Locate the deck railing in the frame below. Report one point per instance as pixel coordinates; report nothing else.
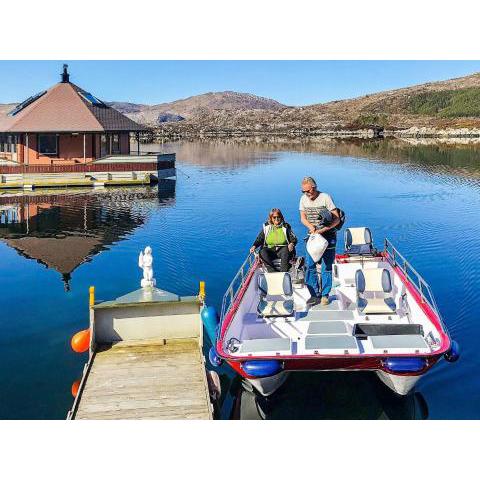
(127, 163)
(396, 259)
(236, 285)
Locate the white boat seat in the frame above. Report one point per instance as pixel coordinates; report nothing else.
(275, 295)
(266, 345)
(330, 342)
(321, 328)
(275, 308)
(374, 291)
(398, 341)
(358, 241)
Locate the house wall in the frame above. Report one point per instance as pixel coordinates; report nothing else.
(70, 149)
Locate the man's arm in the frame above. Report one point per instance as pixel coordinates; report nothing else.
(336, 221)
(303, 219)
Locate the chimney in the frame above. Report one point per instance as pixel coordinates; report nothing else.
(65, 74)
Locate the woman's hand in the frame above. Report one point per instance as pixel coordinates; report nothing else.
(311, 229)
(252, 248)
(291, 246)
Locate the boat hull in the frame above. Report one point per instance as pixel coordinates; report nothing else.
(268, 385)
(400, 383)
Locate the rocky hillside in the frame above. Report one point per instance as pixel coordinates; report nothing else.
(430, 107)
(446, 104)
(7, 107)
(198, 106)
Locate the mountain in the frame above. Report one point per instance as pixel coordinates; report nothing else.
(191, 107)
(7, 107)
(451, 103)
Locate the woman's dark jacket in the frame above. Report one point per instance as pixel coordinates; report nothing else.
(260, 241)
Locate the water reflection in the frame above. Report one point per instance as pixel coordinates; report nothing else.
(64, 229)
(327, 395)
(223, 153)
(458, 157)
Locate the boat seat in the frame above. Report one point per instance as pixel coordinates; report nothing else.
(265, 345)
(374, 291)
(330, 342)
(275, 295)
(358, 241)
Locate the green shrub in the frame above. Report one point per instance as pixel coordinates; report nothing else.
(447, 103)
(369, 119)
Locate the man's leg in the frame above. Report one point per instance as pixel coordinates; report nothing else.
(327, 262)
(284, 256)
(268, 255)
(311, 275)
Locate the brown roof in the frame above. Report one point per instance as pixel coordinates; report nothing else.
(63, 109)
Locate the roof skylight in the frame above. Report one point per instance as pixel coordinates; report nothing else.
(25, 103)
(91, 99)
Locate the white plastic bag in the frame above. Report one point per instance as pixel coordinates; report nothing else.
(316, 246)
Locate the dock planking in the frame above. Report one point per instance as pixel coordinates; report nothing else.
(147, 379)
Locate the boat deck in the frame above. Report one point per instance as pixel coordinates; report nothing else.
(153, 379)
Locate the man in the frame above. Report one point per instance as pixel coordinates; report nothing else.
(312, 203)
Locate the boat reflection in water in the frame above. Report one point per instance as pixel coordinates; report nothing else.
(325, 395)
(63, 229)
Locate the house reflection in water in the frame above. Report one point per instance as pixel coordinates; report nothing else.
(62, 230)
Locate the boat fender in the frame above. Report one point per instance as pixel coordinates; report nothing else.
(405, 364)
(80, 342)
(210, 321)
(262, 368)
(453, 353)
(75, 387)
(213, 357)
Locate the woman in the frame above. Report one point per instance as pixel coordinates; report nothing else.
(277, 241)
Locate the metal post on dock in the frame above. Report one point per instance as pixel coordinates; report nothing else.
(91, 300)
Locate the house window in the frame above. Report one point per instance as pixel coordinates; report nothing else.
(47, 144)
(104, 145)
(115, 143)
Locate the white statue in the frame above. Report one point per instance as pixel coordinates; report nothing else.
(145, 261)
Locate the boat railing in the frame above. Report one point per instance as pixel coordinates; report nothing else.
(236, 285)
(396, 259)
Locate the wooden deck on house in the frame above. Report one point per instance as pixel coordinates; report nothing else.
(153, 379)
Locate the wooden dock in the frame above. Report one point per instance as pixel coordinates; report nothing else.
(154, 368)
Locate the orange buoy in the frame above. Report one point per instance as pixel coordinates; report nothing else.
(75, 387)
(81, 341)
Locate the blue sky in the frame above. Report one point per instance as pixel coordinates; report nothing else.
(289, 82)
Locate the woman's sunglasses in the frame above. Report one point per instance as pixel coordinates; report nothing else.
(276, 217)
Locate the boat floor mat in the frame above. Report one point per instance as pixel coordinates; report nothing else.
(327, 327)
(398, 341)
(314, 315)
(266, 345)
(330, 342)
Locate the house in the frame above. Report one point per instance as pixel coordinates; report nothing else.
(66, 129)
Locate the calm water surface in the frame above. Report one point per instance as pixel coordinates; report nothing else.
(54, 244)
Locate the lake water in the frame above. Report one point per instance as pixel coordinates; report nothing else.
(55, 244)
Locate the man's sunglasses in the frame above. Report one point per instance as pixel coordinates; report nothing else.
(308, 192)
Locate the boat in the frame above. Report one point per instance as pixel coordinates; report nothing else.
(382, 317)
